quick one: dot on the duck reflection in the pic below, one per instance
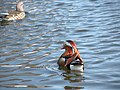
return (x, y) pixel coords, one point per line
(74, 77)
(4, 23)
(73, 88)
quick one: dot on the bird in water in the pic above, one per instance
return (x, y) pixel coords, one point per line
(71, 58)
(17, 14)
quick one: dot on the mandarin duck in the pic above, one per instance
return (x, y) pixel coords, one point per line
(71, 58)
(15, 14)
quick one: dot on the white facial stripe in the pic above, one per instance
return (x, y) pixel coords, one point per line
(68, 44)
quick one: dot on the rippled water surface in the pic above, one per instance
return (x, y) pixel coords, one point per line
(30, 48)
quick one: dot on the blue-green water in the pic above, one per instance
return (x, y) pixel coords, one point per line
(30, 48)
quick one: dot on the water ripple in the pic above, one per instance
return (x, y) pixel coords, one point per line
(30, 48)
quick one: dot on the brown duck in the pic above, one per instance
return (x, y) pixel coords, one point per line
(71, 57)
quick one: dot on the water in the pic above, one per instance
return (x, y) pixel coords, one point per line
(30, 48)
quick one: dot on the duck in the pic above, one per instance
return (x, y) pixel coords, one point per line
(71, 58)
(17, 14)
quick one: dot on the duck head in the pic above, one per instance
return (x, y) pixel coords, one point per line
(68, 50)
(20, 6)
